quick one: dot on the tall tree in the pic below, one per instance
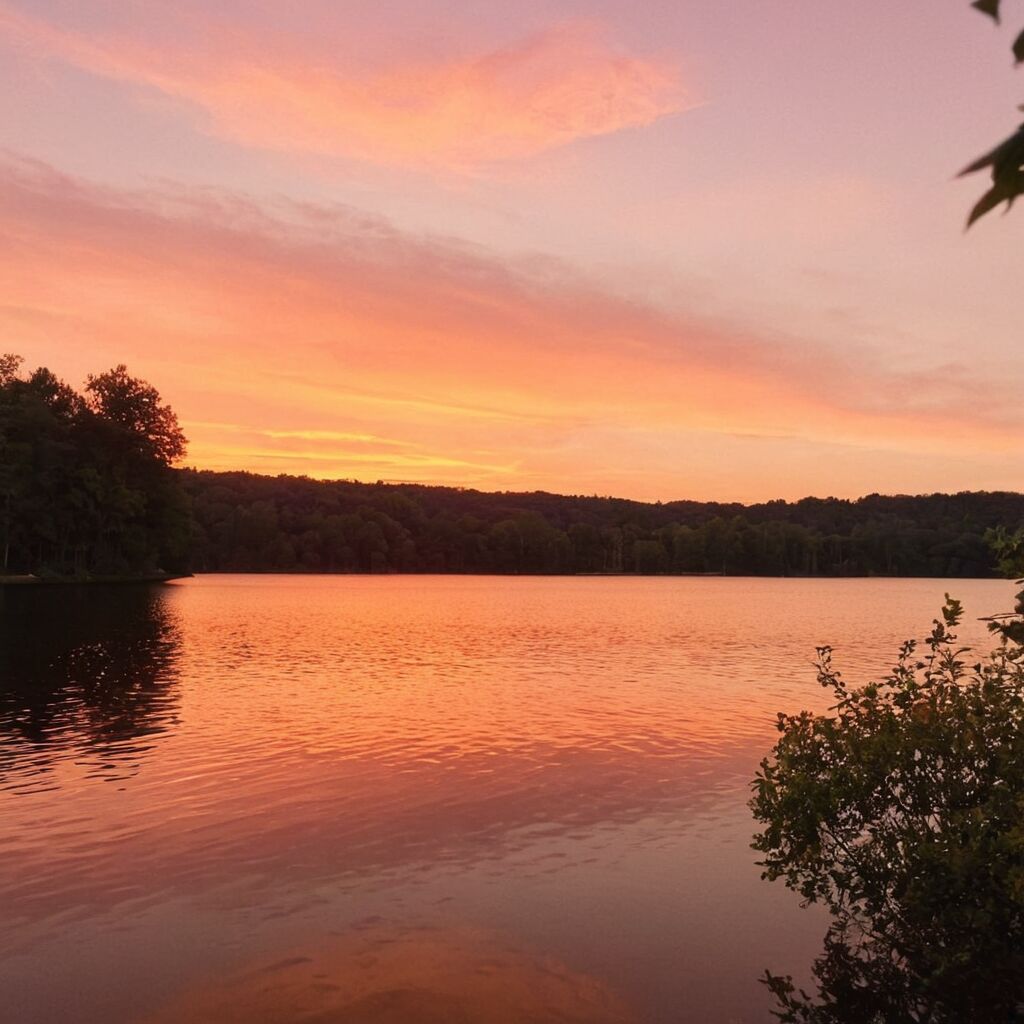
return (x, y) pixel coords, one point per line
(136, 407)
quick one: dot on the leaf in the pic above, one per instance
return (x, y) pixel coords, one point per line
(1007, 156)
(989, 7)
(1018, 48)
(1005, 190)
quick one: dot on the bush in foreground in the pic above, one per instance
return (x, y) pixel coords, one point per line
(902, 811)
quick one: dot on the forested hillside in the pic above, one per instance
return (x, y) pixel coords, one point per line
(245, 522)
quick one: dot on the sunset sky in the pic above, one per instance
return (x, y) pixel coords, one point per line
(671, 249)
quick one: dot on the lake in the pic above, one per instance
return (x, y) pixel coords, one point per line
(411, 799)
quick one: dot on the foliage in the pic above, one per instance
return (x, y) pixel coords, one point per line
(1009, 550)
(86, 485)
(256, 523)
(133, 408)
(1007, 159)
(902, 811)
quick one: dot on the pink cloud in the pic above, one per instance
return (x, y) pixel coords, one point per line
(458, 113)
(320, 340)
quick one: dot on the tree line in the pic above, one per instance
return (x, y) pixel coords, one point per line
(246, 522)
(87, 488)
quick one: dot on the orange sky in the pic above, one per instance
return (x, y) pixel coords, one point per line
(621, 253)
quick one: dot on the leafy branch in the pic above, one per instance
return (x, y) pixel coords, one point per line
(900, 811)
(1007, 159)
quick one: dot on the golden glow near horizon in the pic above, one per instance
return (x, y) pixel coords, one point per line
(654, 253)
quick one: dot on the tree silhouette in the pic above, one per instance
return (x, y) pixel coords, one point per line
(86, 484)
(135, 409)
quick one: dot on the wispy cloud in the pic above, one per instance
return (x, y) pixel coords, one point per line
(332, 343)
(332, 453)
(461, 113)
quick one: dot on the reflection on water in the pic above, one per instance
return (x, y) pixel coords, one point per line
(540, 784)
(378, 975)
(83, 673)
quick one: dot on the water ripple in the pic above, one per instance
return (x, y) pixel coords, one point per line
(199, 773)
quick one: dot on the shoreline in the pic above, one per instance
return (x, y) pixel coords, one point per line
(364, 574)
(29, 580)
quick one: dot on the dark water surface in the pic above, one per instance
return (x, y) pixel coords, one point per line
(410, 799)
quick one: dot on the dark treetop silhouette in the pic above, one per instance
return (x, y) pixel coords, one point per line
(245, 522)
(86, 485)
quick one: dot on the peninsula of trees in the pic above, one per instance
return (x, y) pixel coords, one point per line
(86, 485)
(88, 490)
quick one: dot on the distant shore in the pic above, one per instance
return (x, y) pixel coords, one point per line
(363, 574)
(30, 580)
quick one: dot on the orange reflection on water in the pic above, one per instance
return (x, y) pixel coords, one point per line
(421, 976)
(197, 777)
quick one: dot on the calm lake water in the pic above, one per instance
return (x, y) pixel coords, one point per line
(410, 799)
